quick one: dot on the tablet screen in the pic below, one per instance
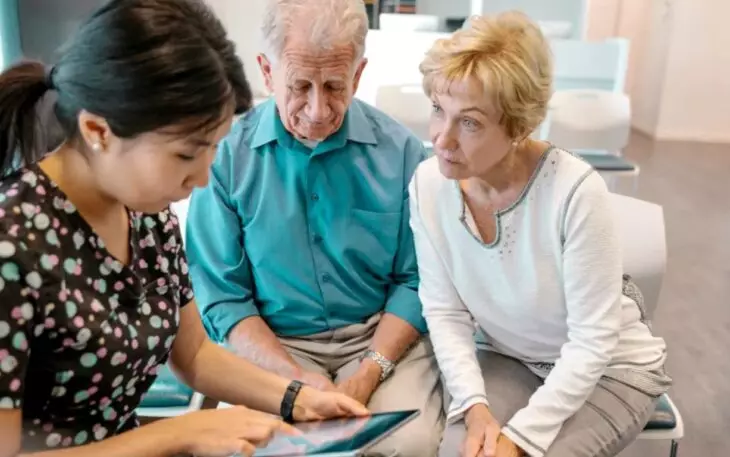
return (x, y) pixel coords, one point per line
(336, 435)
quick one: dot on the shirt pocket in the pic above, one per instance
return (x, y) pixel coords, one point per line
(374, 240)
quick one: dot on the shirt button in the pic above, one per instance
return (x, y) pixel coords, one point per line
(326, 277)
(315, 197)
(317, 238)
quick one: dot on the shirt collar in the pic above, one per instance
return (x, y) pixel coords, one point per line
(356, 127)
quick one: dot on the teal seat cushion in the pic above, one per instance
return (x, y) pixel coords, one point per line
(663, 417)
(607, 162)
(167, 391)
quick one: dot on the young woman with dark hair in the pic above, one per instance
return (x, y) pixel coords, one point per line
(94, 288)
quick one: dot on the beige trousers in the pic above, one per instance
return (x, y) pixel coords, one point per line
(610, 420)
(414, 384)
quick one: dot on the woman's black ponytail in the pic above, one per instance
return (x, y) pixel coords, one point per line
(21, 88)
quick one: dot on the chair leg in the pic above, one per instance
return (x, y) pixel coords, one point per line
(675, 449)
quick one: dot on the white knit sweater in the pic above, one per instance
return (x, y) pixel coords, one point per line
(547, 291)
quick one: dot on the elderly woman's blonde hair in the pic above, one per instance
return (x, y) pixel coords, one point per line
(508, 56)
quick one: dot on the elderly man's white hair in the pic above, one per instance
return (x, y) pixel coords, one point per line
(327, 23)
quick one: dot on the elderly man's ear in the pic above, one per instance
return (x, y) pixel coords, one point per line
(358, 74)
(265, 67)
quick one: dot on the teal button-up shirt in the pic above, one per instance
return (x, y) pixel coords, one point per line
(310, 240)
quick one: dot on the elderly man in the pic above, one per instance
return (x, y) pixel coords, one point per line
(300, 248)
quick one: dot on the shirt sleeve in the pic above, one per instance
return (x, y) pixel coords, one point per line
(219, 266)
(592, 281)
(19, 289)
(450, 323)
(403, 300)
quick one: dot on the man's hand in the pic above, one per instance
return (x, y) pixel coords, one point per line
(316, 380)
(507, 448)
(482, 432)
(361, 385)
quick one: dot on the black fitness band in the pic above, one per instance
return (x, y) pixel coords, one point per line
(287, 403)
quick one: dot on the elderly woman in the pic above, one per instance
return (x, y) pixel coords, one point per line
(516, 235)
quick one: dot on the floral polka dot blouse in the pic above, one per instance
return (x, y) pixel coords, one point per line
(81, 334)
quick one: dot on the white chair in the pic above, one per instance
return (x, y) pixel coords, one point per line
(595, 123)
(590, 119)
(582, 64)
(168, 396)
(641, 229)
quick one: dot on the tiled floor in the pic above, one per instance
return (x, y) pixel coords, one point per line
(692, 182)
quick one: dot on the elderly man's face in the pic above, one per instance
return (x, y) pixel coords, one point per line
(313, 88)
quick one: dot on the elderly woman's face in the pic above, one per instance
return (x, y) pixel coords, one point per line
(313, 89)
(465, 131)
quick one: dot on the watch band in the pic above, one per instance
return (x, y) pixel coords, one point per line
(287, 403)
(386, 366)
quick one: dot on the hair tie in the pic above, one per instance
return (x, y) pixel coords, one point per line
(50, 73)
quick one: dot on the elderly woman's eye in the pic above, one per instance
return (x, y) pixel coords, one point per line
(469, 123)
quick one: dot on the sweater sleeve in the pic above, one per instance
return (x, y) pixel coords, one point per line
(592, 287)
(450, 324)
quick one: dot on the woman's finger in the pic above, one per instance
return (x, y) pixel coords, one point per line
(351, 407)
(288, 428)
(257, 434)
(246, 449)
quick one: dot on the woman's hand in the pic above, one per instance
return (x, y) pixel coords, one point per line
(223, 432)
(482, 432)
(312, 404)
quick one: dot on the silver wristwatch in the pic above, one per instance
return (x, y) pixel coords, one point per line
(386, 366)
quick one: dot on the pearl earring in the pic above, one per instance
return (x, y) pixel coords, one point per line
(96, 147)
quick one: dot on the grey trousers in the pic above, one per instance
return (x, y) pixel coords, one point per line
(610, 420)
(414, 384)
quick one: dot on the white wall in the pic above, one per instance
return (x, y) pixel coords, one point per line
(679, 71)
(696, 95)
(243, 19)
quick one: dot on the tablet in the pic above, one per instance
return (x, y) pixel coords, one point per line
(350, 436)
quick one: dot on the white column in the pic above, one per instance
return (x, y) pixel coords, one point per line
(682, 89)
